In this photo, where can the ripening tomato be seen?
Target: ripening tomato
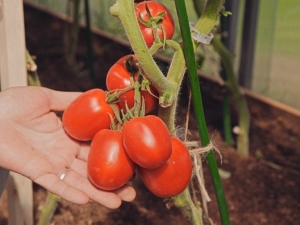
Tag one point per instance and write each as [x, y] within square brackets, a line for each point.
[118, 77]
[109, 166]
[155, 8]
[88, 114]
[147, 141]
[173, 176]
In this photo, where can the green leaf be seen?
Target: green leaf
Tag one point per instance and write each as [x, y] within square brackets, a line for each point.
[226, 13]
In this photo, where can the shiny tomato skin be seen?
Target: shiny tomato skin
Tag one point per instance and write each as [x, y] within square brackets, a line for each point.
[109, 166]
[155, 8]
[88, 114]
[147, 141]
[118, 77]
[173, 176]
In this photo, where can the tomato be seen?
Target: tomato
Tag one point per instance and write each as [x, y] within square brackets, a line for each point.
[118, 77]
[109, 166]
[147, 141]
[88, 114]
[155, 8]
[173, 176]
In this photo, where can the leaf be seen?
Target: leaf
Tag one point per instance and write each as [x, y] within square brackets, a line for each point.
[226, 13]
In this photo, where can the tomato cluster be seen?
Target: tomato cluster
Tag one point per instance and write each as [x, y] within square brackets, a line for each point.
[143, 143]
[122, 140]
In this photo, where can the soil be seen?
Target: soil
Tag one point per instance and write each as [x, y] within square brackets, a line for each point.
[261, 190]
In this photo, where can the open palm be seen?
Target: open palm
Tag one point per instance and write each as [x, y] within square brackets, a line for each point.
[34, 144]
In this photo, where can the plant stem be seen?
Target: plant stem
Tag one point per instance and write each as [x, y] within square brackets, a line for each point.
[48, 209]
[210, 16]
[197, 99]
[185, 203]
[199, 6]
[32, 76]
[89, 42]
[244, 116]
[227, 119]
[226, 100]
[71, 37]
[124, 10]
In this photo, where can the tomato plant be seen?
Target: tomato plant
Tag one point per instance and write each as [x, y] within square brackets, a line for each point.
[109, 166]
[147, 141]
[173, 176]
[149, 13]
[88, 114]
[119, 77]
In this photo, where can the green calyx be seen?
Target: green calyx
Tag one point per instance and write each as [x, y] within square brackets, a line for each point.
[154, 23]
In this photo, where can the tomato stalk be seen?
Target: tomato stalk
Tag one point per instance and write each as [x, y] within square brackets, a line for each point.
[124, 10]
[113, 96]
[137, 98]
[175, 75]
[209, 17]
[154, 23]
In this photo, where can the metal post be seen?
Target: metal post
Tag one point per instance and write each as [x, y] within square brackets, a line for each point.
[248, 43]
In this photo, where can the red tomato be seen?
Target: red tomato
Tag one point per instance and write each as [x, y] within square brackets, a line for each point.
[173, 176]
[109, 166]
[155, 9]
[118, 77]
[147, 141]
[88, 114]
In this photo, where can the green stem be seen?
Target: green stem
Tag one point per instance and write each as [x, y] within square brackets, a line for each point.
[226, 100]
[89, 42]
[244, 116]
[199, 6]
[197, 101]
[124, 10]
[210, 16]
[71, 37]
[32, 76]
[185, 203]
[48, 209]
[227, 119]
[112, 96]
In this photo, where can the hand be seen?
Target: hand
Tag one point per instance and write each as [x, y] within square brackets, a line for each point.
[34, 144]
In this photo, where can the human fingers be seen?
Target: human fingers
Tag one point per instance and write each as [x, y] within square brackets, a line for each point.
[126, 193]
[52, 183]
[105, 198]
[60, 100]
[83, 152]
[80, 167]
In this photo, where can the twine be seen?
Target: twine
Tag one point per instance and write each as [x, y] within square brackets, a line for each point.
[196, 152]
[194, 148]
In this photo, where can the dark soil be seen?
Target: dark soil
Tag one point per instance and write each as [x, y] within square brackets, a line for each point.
[256, 193]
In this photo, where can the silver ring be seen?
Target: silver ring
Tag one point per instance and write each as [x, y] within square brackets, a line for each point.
[63, 174]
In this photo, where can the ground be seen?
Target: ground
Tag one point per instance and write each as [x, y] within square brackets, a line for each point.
[259, 191]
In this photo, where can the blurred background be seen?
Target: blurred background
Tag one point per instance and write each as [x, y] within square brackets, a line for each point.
[263, 36]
